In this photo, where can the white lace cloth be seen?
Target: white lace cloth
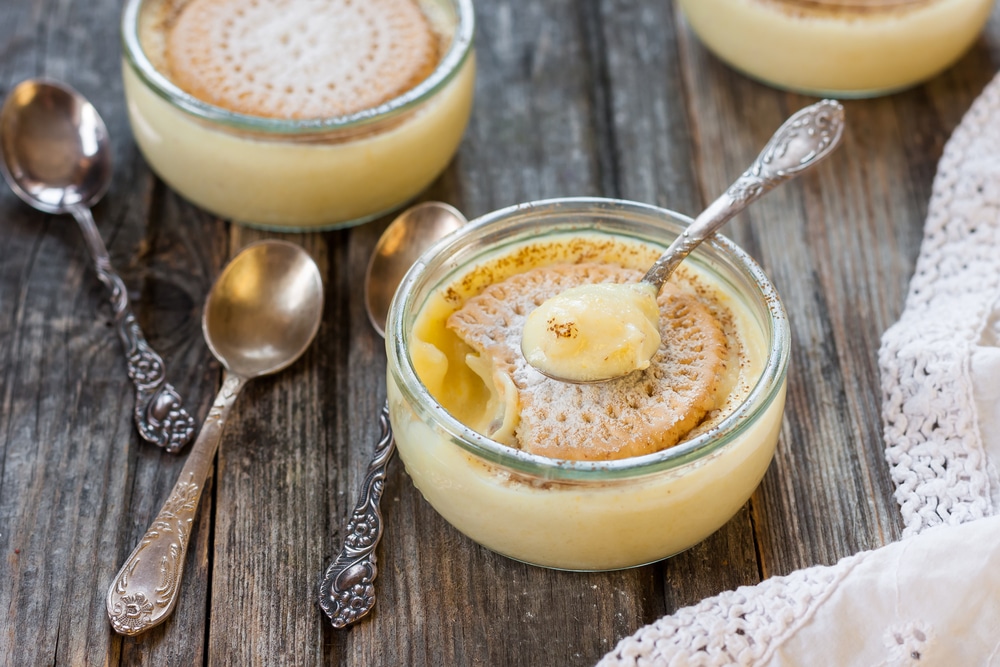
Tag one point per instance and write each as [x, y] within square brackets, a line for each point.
[932, 598]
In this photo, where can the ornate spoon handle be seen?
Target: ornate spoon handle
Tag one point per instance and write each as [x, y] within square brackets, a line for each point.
[803, 140]
[159, 415]
[145, 590]
[348, 589]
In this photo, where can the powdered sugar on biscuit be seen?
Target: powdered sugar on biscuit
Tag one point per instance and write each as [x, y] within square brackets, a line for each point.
[641, 413]
[300, 58]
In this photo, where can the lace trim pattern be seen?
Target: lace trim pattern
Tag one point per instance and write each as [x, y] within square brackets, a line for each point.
[740, 627]
[933, 443]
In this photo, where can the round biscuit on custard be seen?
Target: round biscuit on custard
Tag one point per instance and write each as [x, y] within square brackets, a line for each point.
[300, 59]
[640, 413]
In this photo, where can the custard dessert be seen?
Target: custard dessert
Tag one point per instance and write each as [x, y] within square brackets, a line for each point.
[838, 48]
[571, 476]
[298, 114]
[578, 476]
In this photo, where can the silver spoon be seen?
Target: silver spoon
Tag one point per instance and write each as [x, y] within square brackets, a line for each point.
[347, 592]
[261, 315]
[57, 158]
[806, 138]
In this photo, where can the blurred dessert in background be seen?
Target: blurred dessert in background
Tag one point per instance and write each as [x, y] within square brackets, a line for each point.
[839, 48]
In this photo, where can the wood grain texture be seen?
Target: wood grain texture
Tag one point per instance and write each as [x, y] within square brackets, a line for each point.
[614, 98]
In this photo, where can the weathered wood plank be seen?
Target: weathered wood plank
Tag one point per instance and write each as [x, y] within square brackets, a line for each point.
[536, 132]
[182, 282]
[599, 97]
[818, 471]
[77, 482]
[270, 522]
[534, 128]
[826, 242]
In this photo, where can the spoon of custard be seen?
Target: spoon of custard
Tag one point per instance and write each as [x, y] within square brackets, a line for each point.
[598, 332]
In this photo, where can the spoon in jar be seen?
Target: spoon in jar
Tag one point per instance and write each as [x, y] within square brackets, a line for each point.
[260, 316]
[596, 333]
[348, 589]
[57, 158]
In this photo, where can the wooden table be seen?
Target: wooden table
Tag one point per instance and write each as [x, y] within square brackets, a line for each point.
[575, 97]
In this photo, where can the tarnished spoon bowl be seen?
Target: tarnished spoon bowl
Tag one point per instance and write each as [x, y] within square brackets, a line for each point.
[415, 230]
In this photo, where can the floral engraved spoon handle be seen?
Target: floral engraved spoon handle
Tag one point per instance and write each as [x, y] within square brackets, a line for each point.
[159, 415]
[145, 590]
[348, 589]
[806, 138]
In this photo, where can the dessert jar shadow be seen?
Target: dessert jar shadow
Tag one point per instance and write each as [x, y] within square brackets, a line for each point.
[583, 515]
[298, 174]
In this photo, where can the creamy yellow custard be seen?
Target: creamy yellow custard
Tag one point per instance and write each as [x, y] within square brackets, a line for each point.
[297, 173]
[840, 48]
[594, 332]
[580, 515]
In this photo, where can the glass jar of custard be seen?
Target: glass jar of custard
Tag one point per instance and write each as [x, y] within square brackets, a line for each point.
[838, 48]
[301, 171]
[579, 514]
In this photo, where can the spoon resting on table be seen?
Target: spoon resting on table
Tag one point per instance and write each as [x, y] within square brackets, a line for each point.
[599, 332]
[347, 592]
[260, 316]
[57, 158]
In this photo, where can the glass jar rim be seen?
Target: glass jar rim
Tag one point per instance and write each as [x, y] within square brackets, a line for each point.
[449, 65]
[691, 451]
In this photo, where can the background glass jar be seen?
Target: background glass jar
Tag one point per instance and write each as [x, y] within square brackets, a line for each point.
[838, 48]
[582, 515]
[300, 174]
